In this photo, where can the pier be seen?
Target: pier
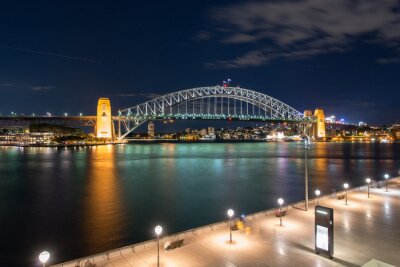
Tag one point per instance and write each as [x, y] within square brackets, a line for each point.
[364, 229]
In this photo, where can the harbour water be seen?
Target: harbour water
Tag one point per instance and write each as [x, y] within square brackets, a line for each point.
[76, 202]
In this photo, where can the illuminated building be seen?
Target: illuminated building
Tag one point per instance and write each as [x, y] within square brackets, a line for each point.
[308, 113]
[150, 129]
[104, 124]
[203, 132]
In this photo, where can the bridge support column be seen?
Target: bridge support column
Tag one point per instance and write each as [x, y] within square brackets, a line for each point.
[104, 123]
[320, 124]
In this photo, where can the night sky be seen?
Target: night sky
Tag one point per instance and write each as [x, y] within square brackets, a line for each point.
[341, 55]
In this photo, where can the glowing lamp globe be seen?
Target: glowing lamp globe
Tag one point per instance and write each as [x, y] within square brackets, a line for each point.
[346, 185]
[317, 192]
[368, 180]
[44, 256]
[158, 230]
[230, 212]
[280, 201]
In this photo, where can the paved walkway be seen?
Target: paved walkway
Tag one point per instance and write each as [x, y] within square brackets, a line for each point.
[364, 229]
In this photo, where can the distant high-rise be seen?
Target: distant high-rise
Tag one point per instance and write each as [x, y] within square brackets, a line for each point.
[150, 129]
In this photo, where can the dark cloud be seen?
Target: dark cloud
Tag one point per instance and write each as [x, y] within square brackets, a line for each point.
[304, 28]
[146, 95]
[202, 36]
[26, 50]
[7, 85]
[388, 60]
[42, 88]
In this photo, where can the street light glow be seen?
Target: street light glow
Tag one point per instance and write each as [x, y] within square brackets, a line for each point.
[230, 213]
[158, 229]
[346, 185]
[386, 176]
[317, 192]
[44, 257]
[280, 201]
[368, 180]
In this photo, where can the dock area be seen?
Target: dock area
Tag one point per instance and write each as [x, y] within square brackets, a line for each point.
[364, 229]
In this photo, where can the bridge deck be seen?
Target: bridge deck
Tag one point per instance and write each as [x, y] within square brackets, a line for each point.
[364, 229]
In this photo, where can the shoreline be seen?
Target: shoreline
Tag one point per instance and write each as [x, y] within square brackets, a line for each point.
[65, 145]
[157, 141]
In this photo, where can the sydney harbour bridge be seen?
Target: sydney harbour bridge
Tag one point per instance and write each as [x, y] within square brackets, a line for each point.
[201, 103]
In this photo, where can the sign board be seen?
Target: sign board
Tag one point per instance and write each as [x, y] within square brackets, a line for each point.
[324, 230]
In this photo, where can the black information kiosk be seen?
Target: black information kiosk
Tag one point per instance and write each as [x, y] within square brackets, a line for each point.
[324, 230]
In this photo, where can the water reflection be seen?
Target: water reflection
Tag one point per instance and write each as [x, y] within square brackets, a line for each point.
[110, 196]
[103, 208]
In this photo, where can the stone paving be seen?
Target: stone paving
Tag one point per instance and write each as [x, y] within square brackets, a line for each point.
[364, 229]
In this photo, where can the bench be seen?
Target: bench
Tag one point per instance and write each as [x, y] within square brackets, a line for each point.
[280, 213]
[174, 244]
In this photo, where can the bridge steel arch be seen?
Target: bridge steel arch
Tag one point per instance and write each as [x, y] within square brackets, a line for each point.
[274, 110]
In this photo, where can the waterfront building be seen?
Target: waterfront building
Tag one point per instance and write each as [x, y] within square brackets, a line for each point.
[150, 129]
[203, 132]
[26, 139]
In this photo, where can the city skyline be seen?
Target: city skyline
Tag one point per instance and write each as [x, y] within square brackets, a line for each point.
[64, 56]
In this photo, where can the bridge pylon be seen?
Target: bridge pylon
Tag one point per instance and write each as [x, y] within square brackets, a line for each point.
[104, 122]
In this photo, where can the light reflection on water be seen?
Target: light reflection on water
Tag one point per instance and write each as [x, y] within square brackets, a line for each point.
[76, 202]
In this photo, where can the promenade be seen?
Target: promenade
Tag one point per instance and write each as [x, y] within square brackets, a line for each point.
[365, 229]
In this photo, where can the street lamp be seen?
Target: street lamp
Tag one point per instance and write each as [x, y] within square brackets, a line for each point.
[346, 186]
[44, 257]
[317, 193]
[306, 148]
[280, 202]
[230, 214]
[158, 231]
[368, 180]
[386, 176]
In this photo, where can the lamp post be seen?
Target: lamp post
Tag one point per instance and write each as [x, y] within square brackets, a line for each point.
[44, 257]
[280, 202]
[230, 214]
[158, 230]
[346, 186]
[306, 148]
[386, 176]
[368, 180]
[317, 193]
